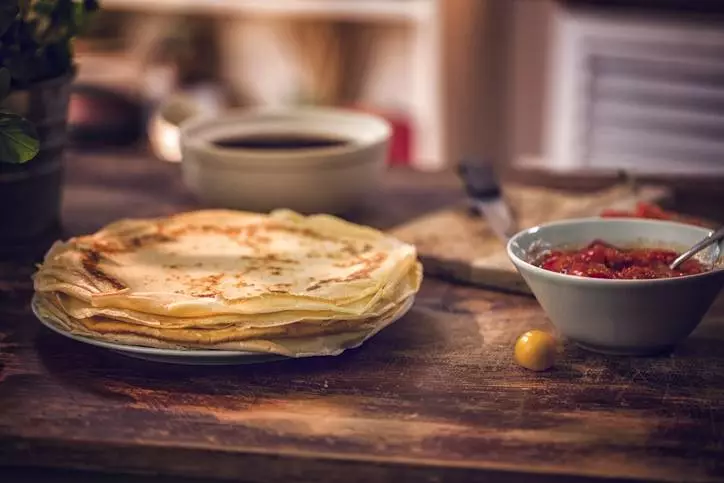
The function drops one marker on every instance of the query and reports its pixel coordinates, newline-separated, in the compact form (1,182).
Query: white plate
(181,356)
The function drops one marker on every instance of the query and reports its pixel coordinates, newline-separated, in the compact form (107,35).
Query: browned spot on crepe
(91,259)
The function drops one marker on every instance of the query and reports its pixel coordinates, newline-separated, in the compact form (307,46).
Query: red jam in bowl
(602,260)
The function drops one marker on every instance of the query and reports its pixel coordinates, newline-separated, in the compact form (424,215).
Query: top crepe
(215,262)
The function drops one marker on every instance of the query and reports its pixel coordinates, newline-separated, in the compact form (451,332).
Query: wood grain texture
(435,397)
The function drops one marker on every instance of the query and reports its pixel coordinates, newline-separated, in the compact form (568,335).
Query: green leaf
(18,139)
(4,82)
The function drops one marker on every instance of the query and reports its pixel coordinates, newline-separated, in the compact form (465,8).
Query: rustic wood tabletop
(435,397)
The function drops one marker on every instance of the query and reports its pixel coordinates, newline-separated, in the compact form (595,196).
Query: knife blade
(486,197)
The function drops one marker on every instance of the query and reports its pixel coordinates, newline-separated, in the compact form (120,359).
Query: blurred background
(555,85)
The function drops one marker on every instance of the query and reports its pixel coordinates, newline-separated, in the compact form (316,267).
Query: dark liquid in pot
(280,142)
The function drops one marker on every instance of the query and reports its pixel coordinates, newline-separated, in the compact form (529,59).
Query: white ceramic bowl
(314,180)
(636,317)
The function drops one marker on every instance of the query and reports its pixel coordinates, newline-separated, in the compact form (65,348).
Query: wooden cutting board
(456,244)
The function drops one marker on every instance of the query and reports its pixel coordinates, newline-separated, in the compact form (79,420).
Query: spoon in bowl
(713,237)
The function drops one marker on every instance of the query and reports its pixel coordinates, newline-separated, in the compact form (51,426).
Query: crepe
(305,346)
(79,309)
(280,282)
(225,262)
(98,327)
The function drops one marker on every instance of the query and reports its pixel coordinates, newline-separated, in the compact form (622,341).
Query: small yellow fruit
(535,350)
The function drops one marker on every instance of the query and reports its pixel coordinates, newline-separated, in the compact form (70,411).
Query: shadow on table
(377,363)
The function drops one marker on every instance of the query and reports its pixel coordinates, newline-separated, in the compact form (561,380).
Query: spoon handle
(713,237)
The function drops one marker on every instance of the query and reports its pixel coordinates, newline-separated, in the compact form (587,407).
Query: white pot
(314,180)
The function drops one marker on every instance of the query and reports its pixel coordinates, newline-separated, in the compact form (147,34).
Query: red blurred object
(99,116)
(400,153)
(654,212)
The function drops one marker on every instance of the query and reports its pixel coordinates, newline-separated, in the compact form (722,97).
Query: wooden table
(434,398)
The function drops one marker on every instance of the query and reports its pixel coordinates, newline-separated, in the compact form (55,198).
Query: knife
(486,197)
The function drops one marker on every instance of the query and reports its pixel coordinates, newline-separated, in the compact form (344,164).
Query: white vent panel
(642,94)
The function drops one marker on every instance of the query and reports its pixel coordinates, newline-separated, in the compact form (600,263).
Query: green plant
(18,139)
(35,44)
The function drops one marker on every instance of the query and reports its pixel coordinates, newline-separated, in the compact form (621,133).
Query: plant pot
(30,193)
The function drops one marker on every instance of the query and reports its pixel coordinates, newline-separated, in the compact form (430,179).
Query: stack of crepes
(279,283)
